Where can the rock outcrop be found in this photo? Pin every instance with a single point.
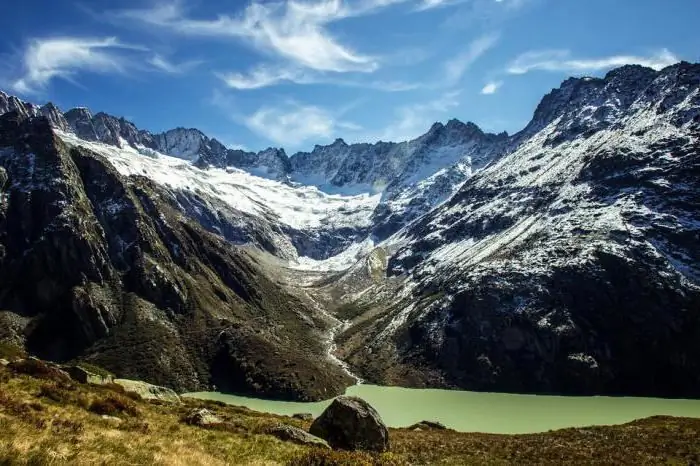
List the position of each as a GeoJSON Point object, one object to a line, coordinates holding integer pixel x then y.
{"type": "Point", "coordinates": [148, 391]}
{"type": "Point", "coordinates": [350, 423]}
{"type": "Point", "coordinates": [202, 418]}
{"type": "Point", "coordinates": [82, 375]}
{"type": "Point", "coordinates": [296, 435]}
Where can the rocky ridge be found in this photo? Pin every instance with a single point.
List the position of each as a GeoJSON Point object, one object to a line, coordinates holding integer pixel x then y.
{"type": "Point", "coordinates": [101, 267]}
{"type": "Point", "coordinates": [570, 265]}
{"type": "Point", "coordinates": [412, 176]}
{"type": "Point", "coordinates": [562, 260]}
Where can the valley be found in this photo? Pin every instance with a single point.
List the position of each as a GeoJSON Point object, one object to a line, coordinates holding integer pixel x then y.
{"type": "Point", "coordinates": [561, 259]}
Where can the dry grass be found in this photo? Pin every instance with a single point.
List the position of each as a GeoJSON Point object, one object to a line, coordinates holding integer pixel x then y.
{"type": "Point", "coordinates": [50, 422]}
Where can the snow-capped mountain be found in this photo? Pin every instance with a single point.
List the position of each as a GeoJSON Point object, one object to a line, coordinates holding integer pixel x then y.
{"type": "Point", "coordinates": [569, 265]}
{"type": "Point", "coordinates": [564, 258]}
{"type": "Point", "coordinates": [9, 103]}
{"type": "Point", "coordinates": [383, 186]}
{"type": "Point", "coordinates": [103, 264]}
{"type": "Point", "coordinates": [187, 144]}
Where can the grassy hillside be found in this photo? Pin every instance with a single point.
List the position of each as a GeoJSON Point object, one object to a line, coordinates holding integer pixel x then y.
{"type": "Point", "coordinates": [47, 419]}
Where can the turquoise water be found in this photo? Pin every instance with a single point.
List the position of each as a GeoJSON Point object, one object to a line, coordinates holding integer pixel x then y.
{"type": "Point", "coordinates": [483, 412]}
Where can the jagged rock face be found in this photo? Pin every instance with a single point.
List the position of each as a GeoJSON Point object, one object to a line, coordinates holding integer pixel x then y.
{"type": "Point", "coordinates": [55, 117]}
{"type": "Point", "coordinates": [391, 166]}
{"type": "Point", "coordinates": [269, 163]}
{"type": "Point", "coordinates": [569, 265]}
{"type": "Point", "coordinates": [97, 266]}
{"type": "Point", "coordinates": [188, 144]}
{"type": "Point", "coordinates": [80, 121]}
{"type": "Point", "coordinates": [413, 176]}
{"type": "Point", "coordinates": [10, 103]}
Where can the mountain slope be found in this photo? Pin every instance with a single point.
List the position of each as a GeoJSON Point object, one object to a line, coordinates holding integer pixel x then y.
{"type": "Point", "coordinates": [570, 265]}
{"type": "Point", "coordinates": [99, 266]}
{"type": "Point", "coordinates": [562, 259]}
{"type": "Point", "coordinates": [407, 178]}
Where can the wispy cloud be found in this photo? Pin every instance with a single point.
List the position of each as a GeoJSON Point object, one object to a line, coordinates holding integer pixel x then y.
{"type": "Point", "coordinates": [161, 63]}
{"type": "Point", "coordinates": [293, 124]}
{"type": "Point", "coordinates": [263, 76]}
{"type": "Point", "coordinates": [562, 61]}
{"type": "Point", "coordinates": [458, 65]}
{"type": "Point", "coordinates": [269, 75]}
{"type": "Point", "coordinates": [46, 59]}
{"type": "Point", "coordinates": [293, 30]}
{"type": "Point", "coordinates": [432, 4]}
{"type": "Point", "coordinates": [491, 87]}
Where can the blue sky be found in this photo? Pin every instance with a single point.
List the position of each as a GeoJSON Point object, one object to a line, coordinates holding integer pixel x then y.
{"type": "Point", "coordinates": [294, 73]}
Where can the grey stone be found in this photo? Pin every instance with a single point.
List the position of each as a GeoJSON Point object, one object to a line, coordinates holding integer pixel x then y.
{"type": "Point", "coordinates": [303, 416]}
{"type": "Point", "coordinates": [428, 425]}
{"type": "Point", "coordinates": [82, 375]}
{"type": "Point", "coordinates": [148, 391]}
{"type": "Point", "coordinates": [296, 435]}
{"type": "Point", "coordinates": [350, 423]}
{"type": "Point", "coordinates": [202, 418]}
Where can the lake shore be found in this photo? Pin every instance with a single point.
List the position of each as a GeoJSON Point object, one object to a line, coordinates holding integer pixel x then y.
{"type": "Point", "coordinates": [494, 413]}
{"type": "Point", "coordinates": [47, 421]}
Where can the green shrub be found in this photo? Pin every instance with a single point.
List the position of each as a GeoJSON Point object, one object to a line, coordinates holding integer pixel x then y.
{"type": "Point", "coordinates": [54, 392]}
{"type": "Point", "coordinates": [10, 352]}
{"type": "Point", "coordinates": [114, 404]}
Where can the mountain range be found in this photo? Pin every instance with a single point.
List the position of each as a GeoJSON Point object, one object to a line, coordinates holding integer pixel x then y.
{"type": "Point", "coordinates": [562, 259]}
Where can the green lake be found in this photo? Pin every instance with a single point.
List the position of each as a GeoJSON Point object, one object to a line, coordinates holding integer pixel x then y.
{"type": "Point", "coordinates": [483, 412]}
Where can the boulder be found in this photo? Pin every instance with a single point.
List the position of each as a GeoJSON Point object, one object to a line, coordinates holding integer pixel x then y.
{"type": "Point", "coordinates": [112, 421]}
{"type": "Point", "coordinates": [350, 423]}
{"type": "Point", "coordinates": [148, 391]}
{"type": "Point", "coordinates": [296, 435]}
{"type": "Point", "coordinates": [303, 416]}
{"type": "Point", "coordinates": [202, 418]}
{"type": "Point", "coordinates": [82, 375]}
{"type": "Point", "coordinates": [428, 425]}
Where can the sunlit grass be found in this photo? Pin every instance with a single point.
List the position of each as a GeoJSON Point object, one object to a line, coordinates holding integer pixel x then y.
{"type": "Point", "coordinates": [44, 421]}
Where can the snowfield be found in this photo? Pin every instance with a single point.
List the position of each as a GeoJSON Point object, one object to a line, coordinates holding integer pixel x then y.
{"type": "Point", "coordinates": [300, 207]}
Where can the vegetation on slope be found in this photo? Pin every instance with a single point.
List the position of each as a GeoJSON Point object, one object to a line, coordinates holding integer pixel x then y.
{"type": "Point", "coordinates": [47, 419]}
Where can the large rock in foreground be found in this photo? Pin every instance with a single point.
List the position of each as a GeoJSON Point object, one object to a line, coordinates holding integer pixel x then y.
{"type": "Point", "coordinates": [350, 423]}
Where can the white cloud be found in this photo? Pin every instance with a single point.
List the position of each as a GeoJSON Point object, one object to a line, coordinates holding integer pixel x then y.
{"type": "Point", "coordinates": [456, 66]}
{"type": "Point", "coordinates": [46, 59]}
{"type": "Point", "coordinates": [430, 4]}
{"type": "Point", "coordinates": [561, 60]}
{"type": "Point", "coordinates": [293, 30]}
{"type": "Point", "coordinates": [491, 87]}
{"type": "Point", "coordinates": [163, 64]}
{"type": "Point", "coordinates": [270, 75]}
{"type": "Point", "coordinates": [293, 124]}
{"type": "Point", "coordinates": [263, 76]}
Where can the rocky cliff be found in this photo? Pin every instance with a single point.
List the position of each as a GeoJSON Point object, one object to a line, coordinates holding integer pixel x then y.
{"type": "Point", "coordinates": [570, 265]}
{"type": "Point", "coordinates": [98, 266]}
